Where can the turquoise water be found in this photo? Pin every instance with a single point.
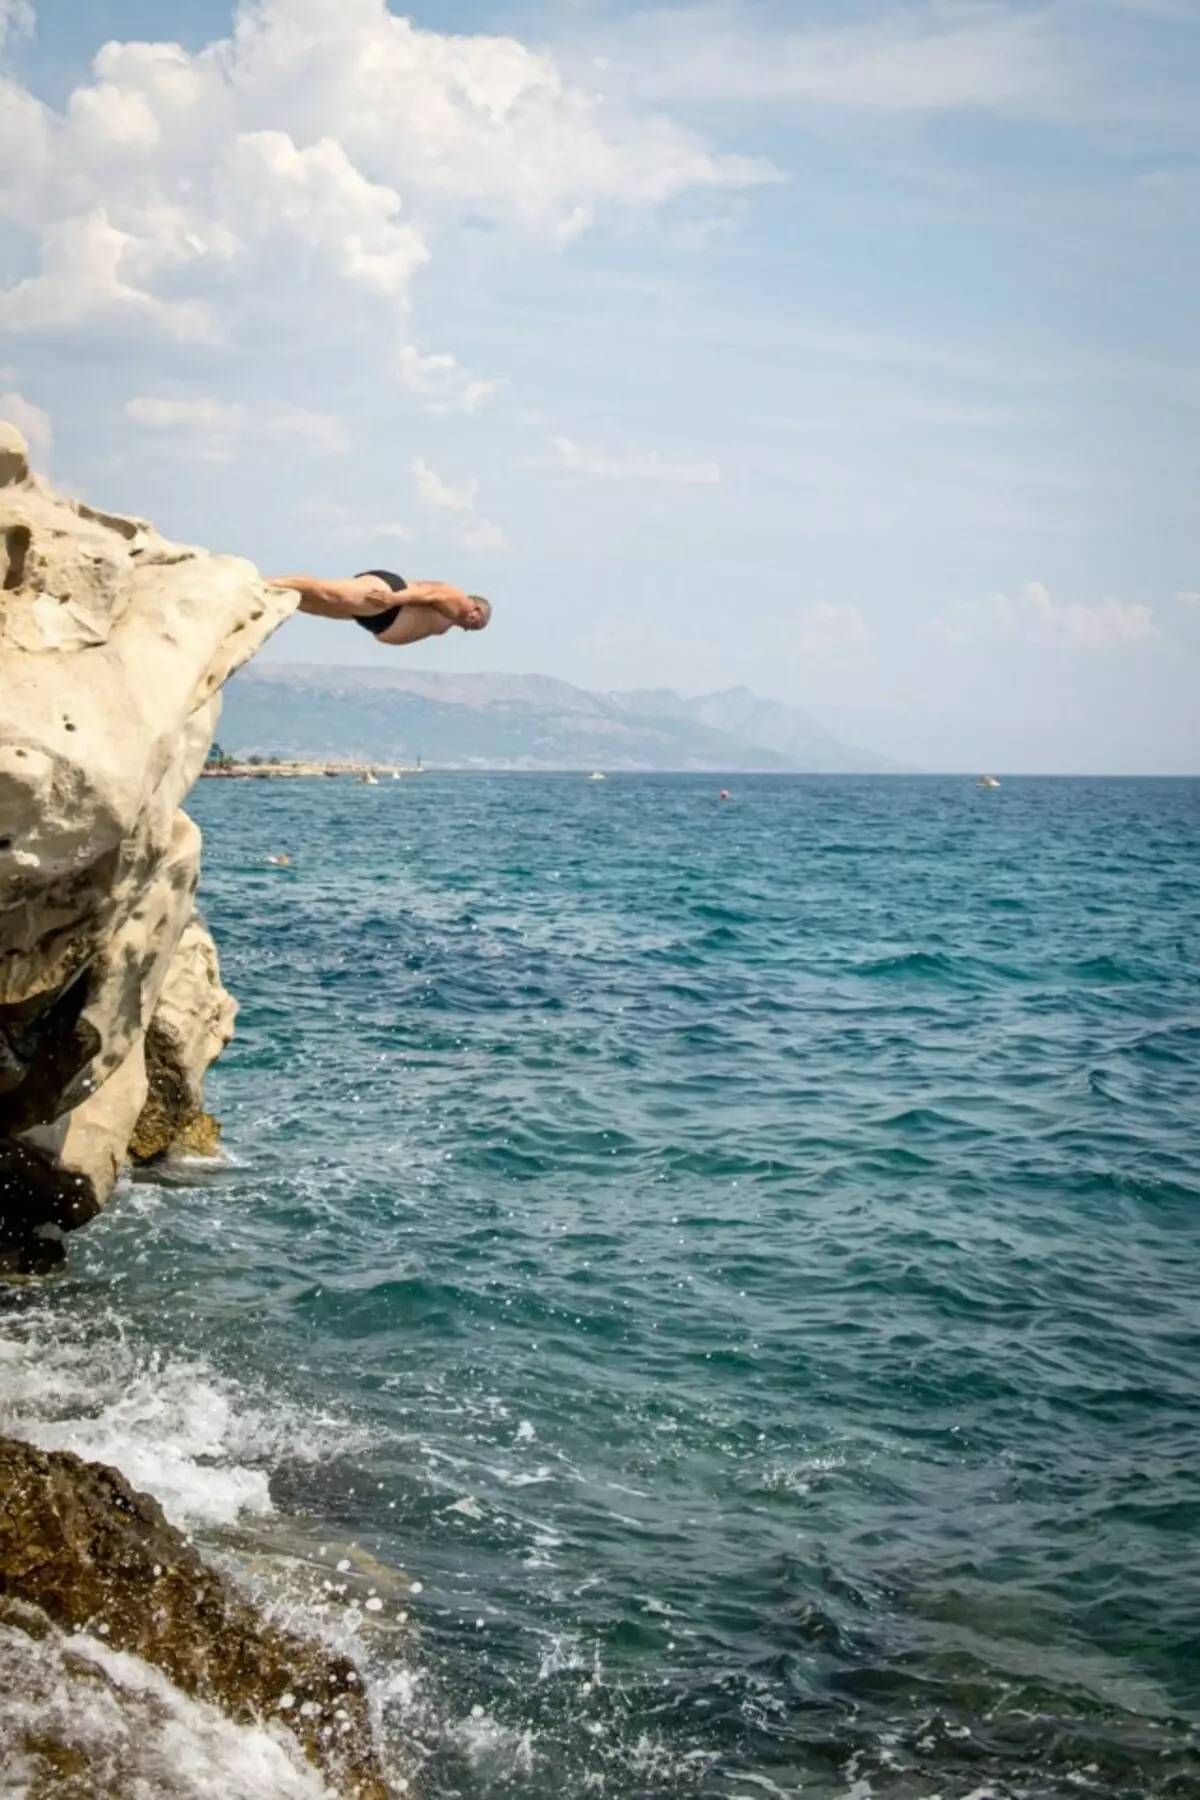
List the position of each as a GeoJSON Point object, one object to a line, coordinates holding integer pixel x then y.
{"type": "Point", "coordinates": [740, 1260]}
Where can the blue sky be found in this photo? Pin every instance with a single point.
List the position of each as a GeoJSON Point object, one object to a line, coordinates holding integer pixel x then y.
{"type": "Point", "coordinates": [847, 351]}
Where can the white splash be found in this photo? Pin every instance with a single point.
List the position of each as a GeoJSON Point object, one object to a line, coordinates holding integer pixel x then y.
{"type": "Point", "coordinates": [175, 1429]}
{"type": "Point", "coordinates": [499, 1752]}
{"type": "Point", "coordinates": [134, 1732]}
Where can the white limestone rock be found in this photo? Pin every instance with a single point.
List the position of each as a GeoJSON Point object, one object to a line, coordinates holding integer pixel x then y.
{"type": "Point", "coordinates": [114, 645]}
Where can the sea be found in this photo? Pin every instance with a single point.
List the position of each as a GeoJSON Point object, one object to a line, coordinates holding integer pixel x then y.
{"type": "Point", "coordinates": [701, 1296]}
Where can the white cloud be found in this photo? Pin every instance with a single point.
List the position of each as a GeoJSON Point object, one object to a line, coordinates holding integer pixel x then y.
{"type": "Point", "coordinates": [33, 423]}
{"type": "Point", "coordinates": [319, 432]}
{"type": "Point", "coordinates": [1033, 617]}
{"type": "Point", "coordinates": [337, 527]}
{"type": "Point", "coordinates": [831, 630]}
{"type": "Point", "coordinates": [265, 183]}
{"type": "Point", "coordinates": [918, 58]}
{"type": "Point", "coordinates": [201, 415]}
{"type": "Point", "coordinates": [90, 275]}
{"type": "Point", "coordinates": [1182, 12]}
{"type": "Point", "coordinates": [634, 465]}
{"type": "Point", "coordinates": [16, 20]}
{"type": "Point", "coordinates": [267, 202]}
{"type": "Point", "coordinates": [310, 210]}
{"type": "Point", "coordinates": [483, 534]}
{"type": "Point", "coordinates": [441, 495]}
{"type": "Point", "coordinates": [441, 383]}
{"type": "Point", "coordinates": [340, 529]}
{"type": "Point", "coordinates": [214, 429]}
{"type": "Point", "coordinates": [1190, 598]}
{"type": "Point", "coordinates": [699, 235]}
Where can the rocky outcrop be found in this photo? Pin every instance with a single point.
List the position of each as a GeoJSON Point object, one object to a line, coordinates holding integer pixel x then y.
{"type": "Point", "coordinates": [114, 645]}
{"type": "Point", "coordinates": [81, 1552]}
{"type": "Point", "coordinates": [192, 1024]}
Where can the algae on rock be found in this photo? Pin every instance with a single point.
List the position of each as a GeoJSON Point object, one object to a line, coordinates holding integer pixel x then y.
{"type": "Point", "coordinates": [80, 1551]}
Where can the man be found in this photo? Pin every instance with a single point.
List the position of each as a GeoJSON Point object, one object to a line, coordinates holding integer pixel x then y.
{"type": "Point", "coordinates": [427, 609]}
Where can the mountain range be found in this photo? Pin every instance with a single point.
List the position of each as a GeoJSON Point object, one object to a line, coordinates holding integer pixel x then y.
{"type": "Point", "coordinates": [520, 722]}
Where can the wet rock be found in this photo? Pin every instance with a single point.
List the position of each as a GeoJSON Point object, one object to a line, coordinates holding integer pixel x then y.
{"type": "Point", "coordinates": [81, 1552]}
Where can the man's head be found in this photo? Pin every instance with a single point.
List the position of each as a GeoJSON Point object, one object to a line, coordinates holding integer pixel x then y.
{"type": "Point", "coordinates": [483, 613]}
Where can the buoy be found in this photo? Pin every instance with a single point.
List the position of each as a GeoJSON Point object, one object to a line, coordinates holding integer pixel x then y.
{"type": "Point", "coordinates": [279, 862]}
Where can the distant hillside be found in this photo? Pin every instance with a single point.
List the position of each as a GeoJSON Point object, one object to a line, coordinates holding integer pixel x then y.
{"type": "Point", "coordinates": [518, 722]}
{"type": "Point", "coordinates": [761, 725]}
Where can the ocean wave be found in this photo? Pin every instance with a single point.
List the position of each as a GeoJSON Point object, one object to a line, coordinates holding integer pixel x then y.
{"type": "Point", "coordinates": [925, 965]}
{"type": "Point", "coordinates": [176, 1429]}
{"type": "Point", "coordinates": [77, 1716]}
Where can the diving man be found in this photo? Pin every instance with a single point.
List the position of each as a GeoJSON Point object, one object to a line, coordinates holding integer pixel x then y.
{"type": "Point", "coordinates": [427, 609]}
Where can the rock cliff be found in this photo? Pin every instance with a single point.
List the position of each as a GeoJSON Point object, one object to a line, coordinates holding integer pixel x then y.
{"type": "Point", "coordinates": [113, 648]}
{"type": "Point", "coordinates": [114, 645]}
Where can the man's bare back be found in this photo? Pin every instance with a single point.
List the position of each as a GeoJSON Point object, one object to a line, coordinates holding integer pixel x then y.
{"type": "Point", "coordinates": [393, 610]}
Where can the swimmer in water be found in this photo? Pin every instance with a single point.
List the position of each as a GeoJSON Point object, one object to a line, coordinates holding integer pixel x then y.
{"type": "Point", "coordinates": [281, 861]}
{"type": "Point", "coordinates": [427, 609]}
{"type": "Point", "coordinates": [724, 794]}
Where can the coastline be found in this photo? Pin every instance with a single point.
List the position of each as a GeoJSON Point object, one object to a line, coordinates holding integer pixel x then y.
{"type": "Point", "coordinates": [293, 771]}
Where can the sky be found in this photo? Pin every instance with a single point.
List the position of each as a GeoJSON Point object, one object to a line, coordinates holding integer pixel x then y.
{"type": "Point", "coordinates": [849, 351]}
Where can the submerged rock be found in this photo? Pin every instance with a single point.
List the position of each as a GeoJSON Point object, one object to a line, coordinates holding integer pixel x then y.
{"type": "Point", "coordinates": [88, 1567]}
{"type": "Point", "coordinates": [114, 645]}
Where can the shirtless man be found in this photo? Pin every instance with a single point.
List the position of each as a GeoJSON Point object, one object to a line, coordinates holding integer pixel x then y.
{"type": "Point", "coordinates": [427, 609]}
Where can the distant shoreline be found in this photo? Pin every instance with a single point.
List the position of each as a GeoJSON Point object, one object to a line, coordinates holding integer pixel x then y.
{"type": "Point", "coordinates": [291, 771]}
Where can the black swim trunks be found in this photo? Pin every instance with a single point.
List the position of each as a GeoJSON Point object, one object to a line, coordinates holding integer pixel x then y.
{"type": "Point", "coordinates": [377, 623]}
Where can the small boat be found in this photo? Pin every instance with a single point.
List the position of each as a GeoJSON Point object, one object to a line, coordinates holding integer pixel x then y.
{"type": "Point", "coordinates": [371, 779]}
{"type": "Point", "coordinates": [987, 781]}
{"type": "Point", "coordinates": [595, 776]}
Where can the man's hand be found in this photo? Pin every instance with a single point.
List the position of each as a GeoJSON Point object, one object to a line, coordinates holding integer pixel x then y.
{"type": "Point", "coordinates": [376, 596]}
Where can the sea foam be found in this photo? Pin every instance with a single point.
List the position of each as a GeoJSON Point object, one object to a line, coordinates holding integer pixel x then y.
{"type": "Point", "coordinates": [74, 1703]}
{"type": "Point", "coordinates": [175, 1428]}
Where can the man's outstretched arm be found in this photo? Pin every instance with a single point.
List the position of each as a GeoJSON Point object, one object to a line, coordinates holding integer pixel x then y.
{"type": "Point", "coordinates": [363, 595]}
{"type": "Point", "coordinates": [357, 598]}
